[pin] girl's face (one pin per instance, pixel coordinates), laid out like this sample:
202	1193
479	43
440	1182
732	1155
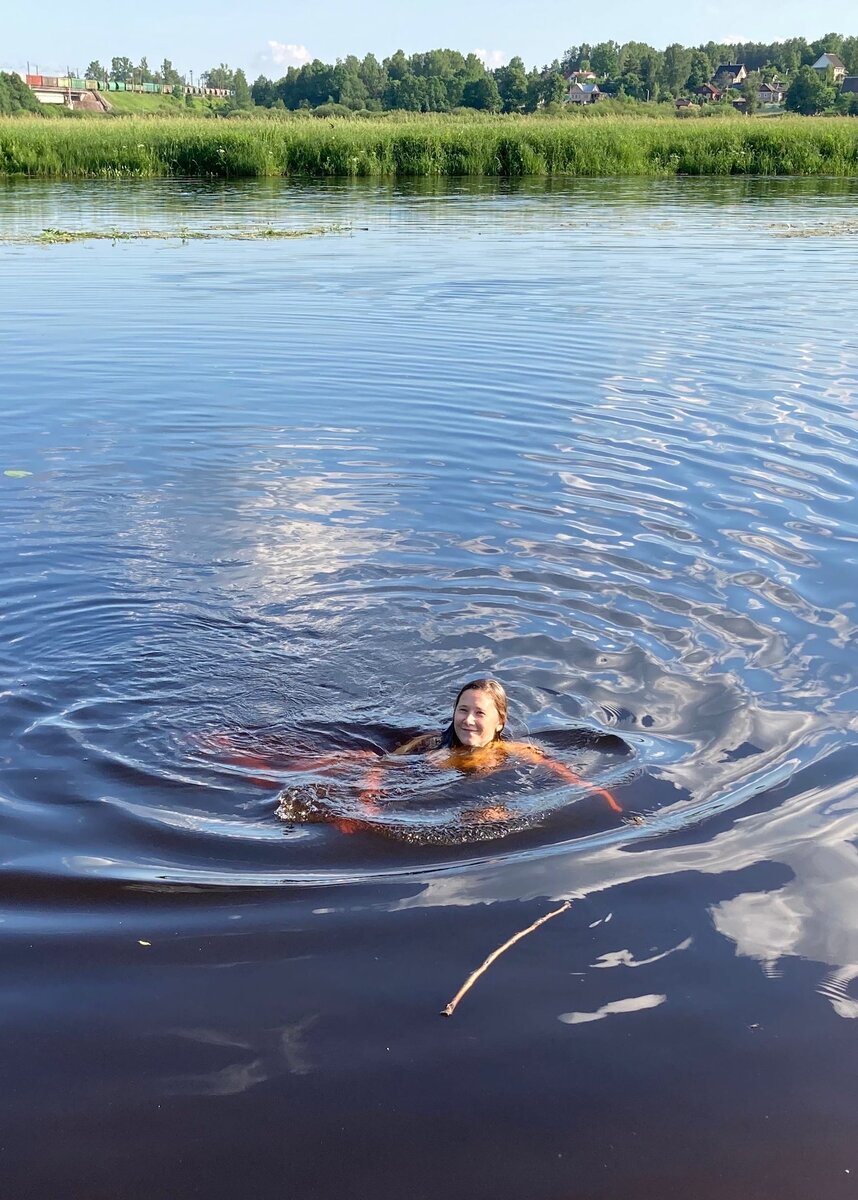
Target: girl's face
476	719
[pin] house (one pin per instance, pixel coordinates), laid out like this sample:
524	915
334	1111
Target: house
850	85
770	92
581	77
583	93
730	75
682	102
833	63
707	92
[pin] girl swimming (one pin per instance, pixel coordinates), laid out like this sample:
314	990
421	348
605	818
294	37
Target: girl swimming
473	742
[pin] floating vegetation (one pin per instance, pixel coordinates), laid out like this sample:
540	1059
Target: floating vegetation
818	229
434	145
52	237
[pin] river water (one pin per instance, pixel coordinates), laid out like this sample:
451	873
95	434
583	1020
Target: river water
597	440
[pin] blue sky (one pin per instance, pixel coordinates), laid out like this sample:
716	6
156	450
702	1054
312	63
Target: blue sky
264	37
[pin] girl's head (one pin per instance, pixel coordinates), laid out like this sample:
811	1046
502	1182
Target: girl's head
479	715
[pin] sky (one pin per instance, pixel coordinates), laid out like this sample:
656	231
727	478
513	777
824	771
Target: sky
266	38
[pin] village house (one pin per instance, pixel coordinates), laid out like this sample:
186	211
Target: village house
831	62
708	92
583	93
770	91
730	75
850	85
581	77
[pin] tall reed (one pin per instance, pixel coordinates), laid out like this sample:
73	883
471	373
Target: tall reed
431	146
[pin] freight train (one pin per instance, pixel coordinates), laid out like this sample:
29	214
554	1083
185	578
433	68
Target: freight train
69	82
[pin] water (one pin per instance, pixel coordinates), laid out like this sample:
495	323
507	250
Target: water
598	440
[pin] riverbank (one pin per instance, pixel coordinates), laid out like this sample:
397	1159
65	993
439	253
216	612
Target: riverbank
434	146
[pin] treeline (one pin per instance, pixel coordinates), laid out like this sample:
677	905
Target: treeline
441	80
15	96
446	80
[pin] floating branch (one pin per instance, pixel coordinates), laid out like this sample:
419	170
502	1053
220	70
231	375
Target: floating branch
516	937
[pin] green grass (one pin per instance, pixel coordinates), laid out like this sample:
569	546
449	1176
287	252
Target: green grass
431	146
144	104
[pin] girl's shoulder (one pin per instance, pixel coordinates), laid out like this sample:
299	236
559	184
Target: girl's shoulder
524	749
422	744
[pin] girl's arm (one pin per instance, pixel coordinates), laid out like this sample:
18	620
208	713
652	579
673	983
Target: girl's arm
535	755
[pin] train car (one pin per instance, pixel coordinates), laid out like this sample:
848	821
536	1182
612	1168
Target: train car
92	85
50	81
78	84
35	81
64	81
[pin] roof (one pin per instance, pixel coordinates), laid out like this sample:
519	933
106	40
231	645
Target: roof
587	88
849	84
708	87
829	60
733	68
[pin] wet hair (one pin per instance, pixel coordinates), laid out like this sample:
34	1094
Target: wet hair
449	740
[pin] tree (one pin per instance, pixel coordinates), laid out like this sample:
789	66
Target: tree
242	97
676	68
15	96
605	60
373	76
142	73
169	74
701	69
481	94
95	70
553	88
809	93
750	90
832	43
219	77
263	92
512	85
121	69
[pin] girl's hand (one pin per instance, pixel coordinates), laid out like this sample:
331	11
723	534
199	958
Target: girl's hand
493	812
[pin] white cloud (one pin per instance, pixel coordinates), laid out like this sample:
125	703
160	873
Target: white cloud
287	54
492	58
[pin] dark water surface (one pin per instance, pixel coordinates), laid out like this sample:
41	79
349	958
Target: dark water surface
598	440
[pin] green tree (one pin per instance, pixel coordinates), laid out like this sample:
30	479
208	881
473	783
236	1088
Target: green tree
95	70
242	98
809	93
263	92
121	69
142	73
605	60
676	67
750	90
15	96
397	65
219	77
832	43
373	76
512	85
700	71
481	94
169	74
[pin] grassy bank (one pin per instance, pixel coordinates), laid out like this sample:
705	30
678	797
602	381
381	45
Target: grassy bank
432	146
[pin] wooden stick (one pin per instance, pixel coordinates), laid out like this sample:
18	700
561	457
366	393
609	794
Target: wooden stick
474	976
